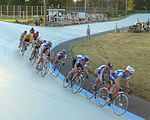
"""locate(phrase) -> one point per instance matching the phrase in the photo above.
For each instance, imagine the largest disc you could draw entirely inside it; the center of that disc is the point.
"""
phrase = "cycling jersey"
(60, 55)
(77, 59)
(103, 74)
(99, 69)
(22, 36)
(28, 38)
(118, 73)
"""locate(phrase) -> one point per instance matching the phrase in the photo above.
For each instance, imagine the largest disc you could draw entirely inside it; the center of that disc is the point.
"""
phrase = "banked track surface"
(25, 95)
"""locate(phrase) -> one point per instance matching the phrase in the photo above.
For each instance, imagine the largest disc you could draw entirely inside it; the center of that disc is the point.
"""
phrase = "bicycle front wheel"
(77, 83)
(120, 104)
(44, 71)
(102, 97)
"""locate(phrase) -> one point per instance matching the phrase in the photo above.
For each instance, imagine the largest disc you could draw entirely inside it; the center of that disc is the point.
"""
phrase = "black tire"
(102, 97)
(120, 104)
(77, 82)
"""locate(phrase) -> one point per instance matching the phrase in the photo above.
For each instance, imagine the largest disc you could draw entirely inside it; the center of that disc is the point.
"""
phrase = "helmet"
(110, 64)
(86, 58)
(64, 51)
(130, 69)
(44, 41)
(49, 43)
(25, 32)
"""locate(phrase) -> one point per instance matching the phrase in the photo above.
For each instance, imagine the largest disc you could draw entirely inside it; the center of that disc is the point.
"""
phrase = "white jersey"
(100, 70)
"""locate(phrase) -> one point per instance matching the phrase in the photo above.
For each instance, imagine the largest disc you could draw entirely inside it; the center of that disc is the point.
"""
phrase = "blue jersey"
(118, 73)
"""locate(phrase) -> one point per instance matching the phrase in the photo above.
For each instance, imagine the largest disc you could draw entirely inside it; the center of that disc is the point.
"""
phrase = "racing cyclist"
(102, 74)
(45, 53)
(26, 41)
(119, 75)
(79, 61)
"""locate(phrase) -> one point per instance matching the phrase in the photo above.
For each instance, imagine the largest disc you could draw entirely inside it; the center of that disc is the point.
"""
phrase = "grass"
(21, 21)
(122, 49)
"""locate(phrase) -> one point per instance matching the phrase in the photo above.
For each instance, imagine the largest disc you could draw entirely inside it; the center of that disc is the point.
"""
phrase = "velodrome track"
(25, 95)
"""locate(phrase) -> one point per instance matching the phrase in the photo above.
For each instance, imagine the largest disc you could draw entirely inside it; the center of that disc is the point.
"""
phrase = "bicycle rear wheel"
(77, 83)
(102, 97)
(120, 104)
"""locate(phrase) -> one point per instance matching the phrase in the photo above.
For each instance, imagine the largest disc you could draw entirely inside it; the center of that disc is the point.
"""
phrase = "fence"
(26, 12)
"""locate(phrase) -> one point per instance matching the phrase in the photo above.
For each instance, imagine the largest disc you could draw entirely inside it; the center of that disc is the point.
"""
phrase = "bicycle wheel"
(102, 97)
(44, 71)
(23, 51)
(89, 92)
(120, 104)
(38, 68)
(33, 60)
(76, 84)
(66, 83)
(82, 86)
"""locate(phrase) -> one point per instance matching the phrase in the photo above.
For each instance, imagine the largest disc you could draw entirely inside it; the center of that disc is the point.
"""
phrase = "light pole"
(126, 7)
(44, 11)
(85, 5)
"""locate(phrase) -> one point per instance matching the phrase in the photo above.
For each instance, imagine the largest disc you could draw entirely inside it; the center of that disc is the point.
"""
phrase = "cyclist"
(32, 30)
(35, 49)
(21, 38)
(79, 61)
(119, 75)
(27, 40)
(35, 35)
(45, 53)
(102, 74)
(60, 57)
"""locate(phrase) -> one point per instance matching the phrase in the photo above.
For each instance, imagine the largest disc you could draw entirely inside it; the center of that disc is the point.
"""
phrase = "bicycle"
(93, 89)
(24, 48)
(43, 67)
(76, 82)
(119, 100)
(34, 56)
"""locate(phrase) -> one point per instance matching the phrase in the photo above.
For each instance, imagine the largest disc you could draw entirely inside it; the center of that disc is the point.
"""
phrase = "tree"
(131, 5)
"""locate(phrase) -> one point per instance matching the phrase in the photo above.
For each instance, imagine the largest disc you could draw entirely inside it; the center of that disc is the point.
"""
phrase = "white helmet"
(130, 69)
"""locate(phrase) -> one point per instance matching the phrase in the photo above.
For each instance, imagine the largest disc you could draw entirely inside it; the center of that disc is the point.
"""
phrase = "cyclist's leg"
(32, 54)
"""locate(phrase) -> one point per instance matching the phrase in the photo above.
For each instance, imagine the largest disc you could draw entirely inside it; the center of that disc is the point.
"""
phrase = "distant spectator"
(88, 32)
